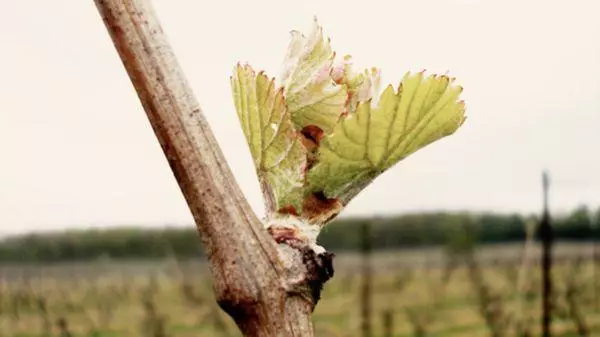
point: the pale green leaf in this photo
(376, 136)
(311, 95)
(278, 155)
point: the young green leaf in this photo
(373, 138)
(326, 133)
(278, 155)
(311, 95)
(360, 86)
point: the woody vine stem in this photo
(251, 282)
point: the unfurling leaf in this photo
(325, 132)
(311, 95)
(371, 139)
(278, 155)
(360, 86)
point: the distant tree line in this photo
(411, 230)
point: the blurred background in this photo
(96, 238)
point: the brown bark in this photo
(266, 288)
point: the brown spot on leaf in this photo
(319, 209)
(313, 133)
(308, 144)
(289, 209)
(311, 136)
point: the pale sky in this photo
(78, 151)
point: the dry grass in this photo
(411, 298)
